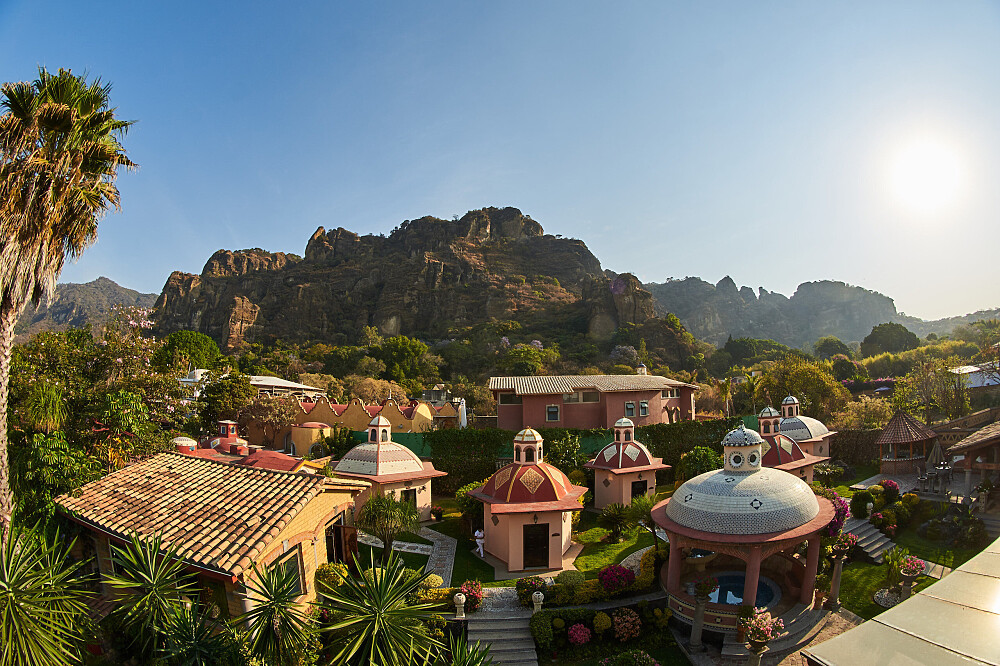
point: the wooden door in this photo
(536, 546)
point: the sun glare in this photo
(927, 175)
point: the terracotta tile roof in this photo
(903, 429)
(220, 516)
(266, 459)
(985, 436)
(559, 384)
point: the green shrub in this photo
(602, 622)
(526, 587)
(910, 500)
(432, 581)
(558, 623)
(859, 503)
(588, 592)
(570, 578)
(330, 575)
(471, 508)
(578, 477)
(541, 630)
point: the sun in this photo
(927, 175)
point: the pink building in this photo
(590, 401)
(624, 468)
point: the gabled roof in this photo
(903, 429)
(220, 516)
(559, 384)
(268, 459)
(985, 436)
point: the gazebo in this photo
(527, 509)
(903, 444)
(752, 515)
(391, 468)
(624, 468)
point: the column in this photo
(752, 576)
(812, 563)
(968, 477)
(833, 603)
(674, 563)
(698, 624)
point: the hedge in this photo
(855, 447)
(550, 628)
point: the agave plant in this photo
(43, 601)
(151, 586)
(192, 638)
(460, 653)
(277, 629)
(373, 623)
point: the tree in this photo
(385, 517)
(370, 337)
(889, 337)
(150, 585)
(640, 512)
(614, 518)
(43, 601)
(43, 467)
(697, 461)
(866, 413)
(224, 397)
(60, 153)
(563, 452)
(184, 348)
(278, 630)
(829, 346)
(844, 368)
(374, 390)
(271, 413)
(811, 381)
(521, 360)
(374, 623)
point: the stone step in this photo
(491, 635)
(508, 638)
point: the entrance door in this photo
(409, 496)
(341, 541)
(639, 488)
(536, 546)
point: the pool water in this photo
(731, 590)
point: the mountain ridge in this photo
(75, 305)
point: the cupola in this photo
(624, 430)
(379, 429)
(528, 447)
(770, 421)
(641, 369)
(741, 449)
(790, 407)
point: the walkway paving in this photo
(440, 552)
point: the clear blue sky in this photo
(773, 142)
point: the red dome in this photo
(622, 455)
(524, 483)
(780, 449)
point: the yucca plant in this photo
(373, 623)
(614, 518)
(277, 628)
(150, 586)
(386, 517)
(43, 601)
(461, 653)
(193, 637)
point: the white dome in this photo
(725, 502)
(769, 412)
(624, 422)
(742, 436)
(379, 421)
(801, 428)
(528, 436)
(790, 400)
(379, 458)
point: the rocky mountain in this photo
(75, 305)
(428, 278)
(715, 312)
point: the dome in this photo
(379, 459)
(741, 437)
(624, 422)
(790, 400)
(379, 421)
(769, 412)
(528, 436)
(518, 484)
(780, 449)
(183, 441)
(801, 428)
(622, 455)
(761, 502)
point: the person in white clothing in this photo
(480, 540)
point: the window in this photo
(571, 397)
(509, 399)
(670, 393)
(529, 455)
(517, 453)
(385, 435)
(290, 562)
(629, 409)
(767, 428)
(552, 413)
(591, 396)
(628, 435)
(644, 408)
(618, 435)
(373, 435)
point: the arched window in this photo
(628, 436)
(517, 453)
(372, 435)
(385, 435)
(767, 428)
(618, 435)
(529, 455)
(539, 453)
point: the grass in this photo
(862, 472)
(859, 583)
(932, 551)
(368, 554)
(467, 566)
(596, 553)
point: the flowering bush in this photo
(845, 543)
(602, 622)
(891, 490)
(437, 512)
(842, 510)
(473, 591)
(705, 586)
(627, 624)
(912, 566)
(630, 658)
(615, 578)
(526, 587)
(762, 627)
(579, 634)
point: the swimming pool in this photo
(731, 590)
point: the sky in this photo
(773, 142)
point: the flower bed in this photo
(572, 592)
(577, 634)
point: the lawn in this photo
(467, 565)
(598, 554)
(367, 554)
(932, 551)
(862, 472)
(859, 583)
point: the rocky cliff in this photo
(76, 305)
(426, 278)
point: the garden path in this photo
(440, 552)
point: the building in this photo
(782, 452)
(527, 508)
(810, 434)
(624, 468)
(193, 382)
(223, 519)
(904, 444)
(590, 401)
(389, 468)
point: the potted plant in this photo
(437, 512)
(911, 567)
(746, 614)
(845, 544)
(703, 587)
(762, 628)
(822, 589)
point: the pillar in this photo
(752, 576)
(833, 603)
(698, 624)
(674, 563)
(812, 563)
(968, 478)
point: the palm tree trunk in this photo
(8, 317)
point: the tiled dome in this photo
(801, 428)
(622, 455)
(790, 400)
(522, 483)
(741, 436)
(379, 458)
(726, 502)
(769, 412)
(780, 449)
(528, 436)
(624, 422)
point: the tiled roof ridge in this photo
(218, 462)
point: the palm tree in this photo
(385, 517)
(43, 601)
(753, 386)
(640, 513)
(374, 624)
(278, 630)
(151, 587)
(614, 517)
(60, 152)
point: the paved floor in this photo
(442, 558)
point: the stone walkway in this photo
(440, 552)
